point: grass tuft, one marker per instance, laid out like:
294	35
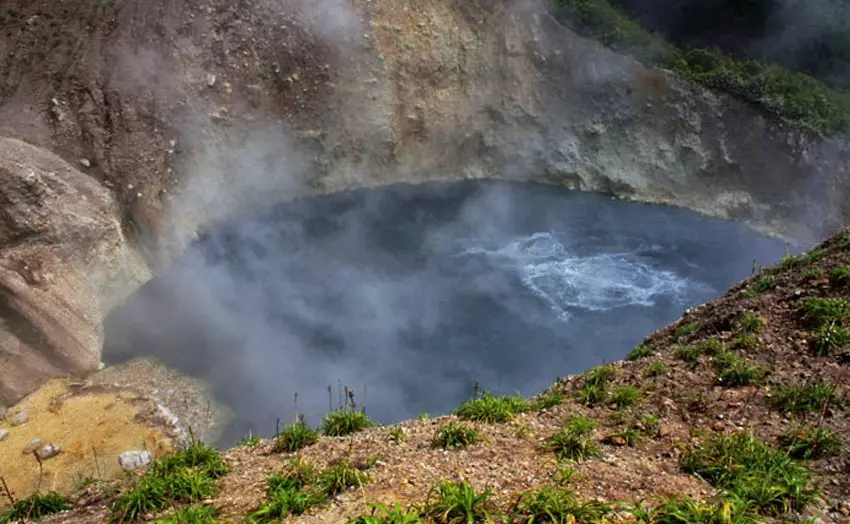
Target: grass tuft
344	421
810	443
551	504
686	330
751	322
640	352
453	435
573	441
625	396
191	515
458	502
396	434
680	510
830	338
297	436
749	470
734	371
491	409
547	400
339	477
839	276
656	369
821	311
395	514
249	441
36	507
806	398
761	284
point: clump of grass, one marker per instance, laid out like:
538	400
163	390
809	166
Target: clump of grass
491	409
831	337
294	437
594	390
629	436
839	276
749	470
625	396
396	434
564	475
790	262
761	284
249	441
750	322
686	330
458	502
806	398
808	443
339	477
689	353
710	346
191	515
821	311
395	514
745	341
453	435
573	441
734	371
547	400
551	504
656	369
285	495
344	421
640	352
681	510
813	273
35	507
695	402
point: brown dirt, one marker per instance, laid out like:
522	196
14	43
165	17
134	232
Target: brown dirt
688	402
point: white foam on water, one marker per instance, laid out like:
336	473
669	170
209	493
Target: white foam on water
598	282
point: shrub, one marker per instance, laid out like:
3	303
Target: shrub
625	396
640	352
840	276
810	443
749	470
36	506
191	515
831	336
557	505
820	311
656	369
573	441
344	421
490	409
807	398
382	514
458	502
300	435
454	435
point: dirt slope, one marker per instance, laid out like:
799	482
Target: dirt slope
724	368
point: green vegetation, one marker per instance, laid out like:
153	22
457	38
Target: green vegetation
625	396
344	421
396	434
813	273
686	330
807	398
547	400
745	341
564	475
820	311
573	441
689	353
458	502
751	472
839	276
656	369
734	371
179	478
761	284
382	514
808	443
640	352
831	336
300	435
35	507
490	409
191	515
340	477
557	505
594	390
751	322
249	441
690	511
453	435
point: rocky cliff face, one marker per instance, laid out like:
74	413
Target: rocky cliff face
191	111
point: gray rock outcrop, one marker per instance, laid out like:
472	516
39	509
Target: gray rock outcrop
132	460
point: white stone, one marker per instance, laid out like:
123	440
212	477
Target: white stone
18	418
33	445
85	162
3	434
130	460
48	451
211	79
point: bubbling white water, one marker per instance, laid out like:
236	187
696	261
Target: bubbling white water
567	281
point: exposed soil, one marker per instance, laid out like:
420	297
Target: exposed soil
688	401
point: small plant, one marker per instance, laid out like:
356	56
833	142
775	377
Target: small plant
344	421
191	515
490	409
249	441
689	353
296	436
746	341
557	505
695	402
790	262
820	311
640	352
424	416
340	477
573	441
734	371
761	284
600	375
594	389
454	435
592	394
807	398
547	400
396	434
383	514
35	507
564	475
625	396
656	369
521	430
750	470
839	276
810	443
710	346
284	502
690	511
649	423
751	322
624	437
813	273
458	502
686	330
831	337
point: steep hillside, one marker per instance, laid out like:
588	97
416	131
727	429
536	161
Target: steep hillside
736	413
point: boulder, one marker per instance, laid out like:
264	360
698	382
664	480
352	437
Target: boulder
48	451
19	417
32	446
131	460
